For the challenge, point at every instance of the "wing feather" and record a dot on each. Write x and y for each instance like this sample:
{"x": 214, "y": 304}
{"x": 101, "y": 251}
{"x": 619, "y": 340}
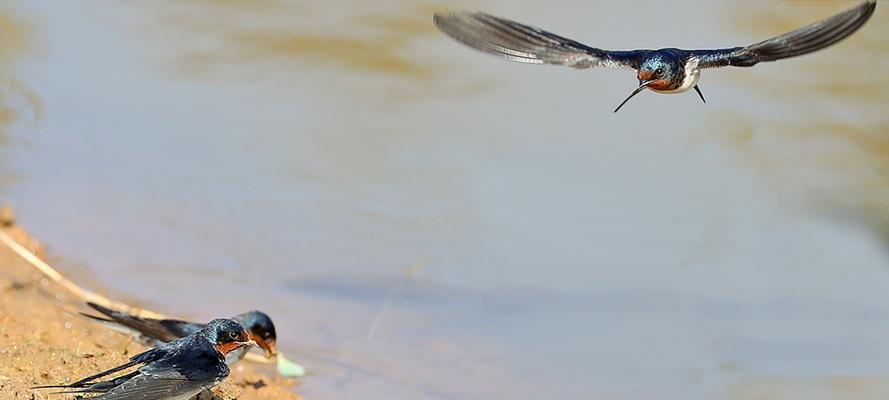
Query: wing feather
{"x": 163, "y": 330}
{"x": 805, "y": 40}
{"x": 523, "y": 43}
{"x": 150, "y": 387}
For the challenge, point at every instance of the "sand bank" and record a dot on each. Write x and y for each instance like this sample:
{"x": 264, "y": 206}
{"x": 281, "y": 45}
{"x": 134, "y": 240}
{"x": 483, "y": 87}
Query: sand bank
{"x": 43, "y": 341}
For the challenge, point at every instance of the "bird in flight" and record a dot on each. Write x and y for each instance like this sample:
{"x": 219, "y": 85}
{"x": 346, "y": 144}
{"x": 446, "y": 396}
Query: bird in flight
{"x": 667, "y": 70}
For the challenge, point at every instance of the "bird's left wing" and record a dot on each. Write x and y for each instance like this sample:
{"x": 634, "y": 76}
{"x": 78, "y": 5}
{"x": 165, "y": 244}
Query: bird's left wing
{"x": 151, "y": 387}
{"x": 193, "y": 368}
{"x": 810, "y": 38}
{"x": 522, "y": 43}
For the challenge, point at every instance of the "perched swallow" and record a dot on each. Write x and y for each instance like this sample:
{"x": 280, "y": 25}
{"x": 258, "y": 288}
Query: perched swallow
{"x": 667, "y": 70}
{"x": 155, "y": 332}
{"x": 178, "y": 370}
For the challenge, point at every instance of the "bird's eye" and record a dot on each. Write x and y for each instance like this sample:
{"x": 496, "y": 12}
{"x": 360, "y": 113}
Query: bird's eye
{"x": 233, "y": 335}
{"x": 659, "y": 71}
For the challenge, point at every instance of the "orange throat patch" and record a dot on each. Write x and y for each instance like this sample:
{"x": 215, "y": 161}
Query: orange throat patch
{"x": 225, "y": 348}
{"x": 660, "y": 84}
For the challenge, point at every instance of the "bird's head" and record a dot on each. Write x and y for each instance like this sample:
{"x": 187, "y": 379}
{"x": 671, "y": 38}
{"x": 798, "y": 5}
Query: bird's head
{"x": 227, "y": 335}
{"x": 659, "y": 70}
{"x": 261, "y": 329}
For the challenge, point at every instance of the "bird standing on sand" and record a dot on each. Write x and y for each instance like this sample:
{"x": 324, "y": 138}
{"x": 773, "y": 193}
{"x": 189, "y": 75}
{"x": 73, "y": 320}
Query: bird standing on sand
{"x": 667, "y": 70}
{"x": 156, "y": 332}
{"x": 178, "y": 370}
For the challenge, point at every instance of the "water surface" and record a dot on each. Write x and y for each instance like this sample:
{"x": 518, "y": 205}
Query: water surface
{"x": 427, "y": 222}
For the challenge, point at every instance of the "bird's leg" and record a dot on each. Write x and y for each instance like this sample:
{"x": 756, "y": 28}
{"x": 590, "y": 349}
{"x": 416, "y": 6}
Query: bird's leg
{"x": 697, "y": 89}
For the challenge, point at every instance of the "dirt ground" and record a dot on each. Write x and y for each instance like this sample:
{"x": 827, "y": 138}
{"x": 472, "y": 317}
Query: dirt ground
{"x": 43, "y": 341}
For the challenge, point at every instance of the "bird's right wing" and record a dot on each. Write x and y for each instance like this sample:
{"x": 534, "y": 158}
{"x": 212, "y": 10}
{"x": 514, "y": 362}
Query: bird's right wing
{"x": 522, "y": 43}
{"x": 810, "y": 38}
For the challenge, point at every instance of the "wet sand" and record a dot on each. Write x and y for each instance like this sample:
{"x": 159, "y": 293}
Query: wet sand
{"x": 43, "y": 341}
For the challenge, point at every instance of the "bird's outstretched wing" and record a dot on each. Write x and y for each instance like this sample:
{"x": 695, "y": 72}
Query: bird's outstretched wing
{"x": 810, "y": 38}
{"x": 522, "y": 43}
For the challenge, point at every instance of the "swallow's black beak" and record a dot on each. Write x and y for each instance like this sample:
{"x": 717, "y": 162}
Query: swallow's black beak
{"x": 642, "y": 85}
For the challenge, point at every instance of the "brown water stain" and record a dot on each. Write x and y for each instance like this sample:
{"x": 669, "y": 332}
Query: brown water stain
{"x": 829, "y": 147}
{"x": 291, "y": 33}
{"x": 17, "y": 103}
{"x": 14, "y": 35}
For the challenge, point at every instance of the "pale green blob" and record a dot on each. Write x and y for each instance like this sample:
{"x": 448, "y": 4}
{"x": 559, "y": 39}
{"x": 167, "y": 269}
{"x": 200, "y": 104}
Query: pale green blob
{"x": 289, "y": 368}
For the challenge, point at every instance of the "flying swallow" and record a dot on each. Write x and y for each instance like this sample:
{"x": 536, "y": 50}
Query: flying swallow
{"x": 667, "y": 70}
{"x": 155, "y": 332}
{"x": 178, "y": 370}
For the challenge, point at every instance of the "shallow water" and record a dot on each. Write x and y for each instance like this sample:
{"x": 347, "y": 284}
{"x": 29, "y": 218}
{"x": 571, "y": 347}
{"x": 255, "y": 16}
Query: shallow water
{"x": 426, "y": 222}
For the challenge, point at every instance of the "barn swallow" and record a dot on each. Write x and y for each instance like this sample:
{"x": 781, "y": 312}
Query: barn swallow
{"x": 667, "y": 70}
{"x": 155, "y": 332}
{"x": 178, "y": 370}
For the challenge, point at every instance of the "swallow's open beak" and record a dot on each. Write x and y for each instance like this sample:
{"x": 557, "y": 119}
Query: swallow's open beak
{"x": 642, "y": 85}
{"x": 270, "y": 351}
{"x": 228, "y": 347}
{"x": 267, "y": 346}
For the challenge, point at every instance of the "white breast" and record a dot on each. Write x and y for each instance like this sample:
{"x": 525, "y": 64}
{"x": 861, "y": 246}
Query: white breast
{"x": 692, "y": 75}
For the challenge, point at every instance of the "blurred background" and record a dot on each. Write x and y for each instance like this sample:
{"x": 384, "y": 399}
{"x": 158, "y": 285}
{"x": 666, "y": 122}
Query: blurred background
{"x": 424, "y": 221}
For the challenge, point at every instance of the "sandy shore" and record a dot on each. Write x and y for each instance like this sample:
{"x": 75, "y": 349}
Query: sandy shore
{"x": 43, "y": 341}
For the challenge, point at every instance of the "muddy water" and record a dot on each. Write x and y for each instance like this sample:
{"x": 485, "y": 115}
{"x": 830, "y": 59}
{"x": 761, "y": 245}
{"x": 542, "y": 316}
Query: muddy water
{"x": 427, "y": 222}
